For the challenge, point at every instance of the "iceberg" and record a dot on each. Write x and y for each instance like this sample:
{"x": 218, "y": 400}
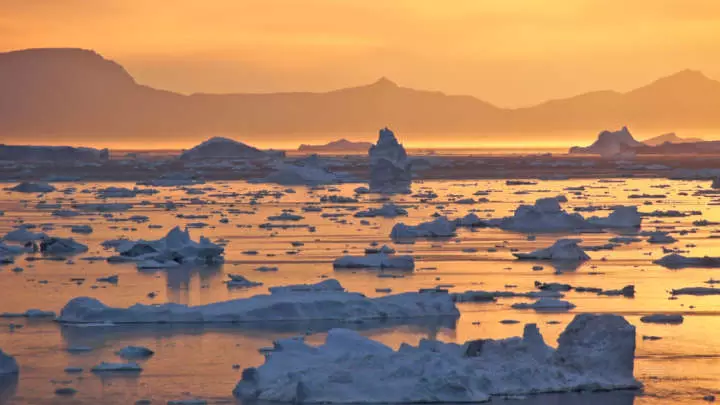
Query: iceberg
{"x": 561, "y": 250}
{"x": 22, "y": 235}
{"x": 595, "y": 352}
{"x": 225, "y": 148}
{"x": 61, "y": 246}
{"x": 390, "y": 169}
{"x": 389, "y": 210}
{"x": 322, "y": 301}
{"x": 678, "y": 261}
{"x": 618, "y": 144}
{"x": 30, "y": 187}
{"x": 174, "y": 249}
{"x": 438, "y": 228}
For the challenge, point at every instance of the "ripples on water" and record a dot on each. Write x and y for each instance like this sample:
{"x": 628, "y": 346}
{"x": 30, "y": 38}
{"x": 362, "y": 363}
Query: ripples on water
{"x": 198, "y": 360}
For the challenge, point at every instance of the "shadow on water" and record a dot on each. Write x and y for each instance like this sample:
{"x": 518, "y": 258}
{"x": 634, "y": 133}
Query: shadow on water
{"x": 98, "y": 335}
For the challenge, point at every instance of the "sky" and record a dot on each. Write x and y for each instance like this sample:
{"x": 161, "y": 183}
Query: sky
{"x": 509, "y": 52}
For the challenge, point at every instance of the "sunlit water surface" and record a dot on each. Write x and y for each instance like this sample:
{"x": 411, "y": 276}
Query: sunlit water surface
{"x": 197, "y": 361}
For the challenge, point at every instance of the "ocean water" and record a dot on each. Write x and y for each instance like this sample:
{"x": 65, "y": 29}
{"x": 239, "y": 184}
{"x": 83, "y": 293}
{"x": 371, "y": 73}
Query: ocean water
{"x": 197, "y": 361}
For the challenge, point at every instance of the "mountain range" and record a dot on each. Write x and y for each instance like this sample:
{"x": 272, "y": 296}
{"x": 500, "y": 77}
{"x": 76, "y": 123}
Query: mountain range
{"x": 57, "y": 94}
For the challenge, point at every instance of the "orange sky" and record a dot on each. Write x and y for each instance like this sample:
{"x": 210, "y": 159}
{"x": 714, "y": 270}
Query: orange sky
{"x": 508, "y": 52}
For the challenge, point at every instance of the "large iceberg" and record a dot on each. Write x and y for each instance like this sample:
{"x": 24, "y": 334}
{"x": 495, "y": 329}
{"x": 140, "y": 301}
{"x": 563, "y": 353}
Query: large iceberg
{"x": 323, "y": 301}
{"x": 618, "y": 144}
{"x": 309, "y": 171}
{"x": 174, "y": 249}
{"x": 30, "y": 187}
{"x": 390, "y": 169}
{"x": 595, "y": 353}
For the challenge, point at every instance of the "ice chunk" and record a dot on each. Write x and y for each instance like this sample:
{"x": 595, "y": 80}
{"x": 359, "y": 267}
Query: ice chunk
{"x": 438, "y": 228}
{"x": 172, "y": 250}
{"x": 375, "y": 260}
{"x": 30, "y": 187}
{"x": 23, "y": 235}
{"x": 561, "y": 250}
{"x": 678, "y": 261}
{"x": 61, "y": 246}
{"x": 618, "y": 144}
{"x": 672, "y": 319}
{"x": 105, "y": 367}
{"x": 389, "y": 210}
{"x": 546, "y": 304}
{"x": 595, "y": 352}
{"x": 134, "y": 352}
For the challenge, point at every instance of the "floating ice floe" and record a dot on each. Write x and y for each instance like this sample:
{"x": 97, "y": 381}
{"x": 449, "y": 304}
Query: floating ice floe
{"x": 390, "y": 169}
{"x": 678, "y": 261}
{"x": 561, "y": 250}
{"x": 106, "y": 367}
{"x": 8, "y": 364}
{"x": 696, "y": 291}
{"x": 389, "y": 210}
{"x": 134, "y": 352}
{"x": 673, "y": 319}
{"x": 595, "y": 352}
{"x": 323, "y": 301}
{"x": 441, "y": 227}
{"x": 23, "y": 235}
{"x": 376, "y": 261}
{"x": 30, "y": 187}
{"x": 546, "y": 305}
{"x": 238, "y": 281}
{"x": 174, "y": 249}
{"x": 61, "y": 246}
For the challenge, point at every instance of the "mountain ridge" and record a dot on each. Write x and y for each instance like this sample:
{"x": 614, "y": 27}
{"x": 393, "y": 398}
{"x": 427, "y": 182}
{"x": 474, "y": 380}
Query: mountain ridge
{"x": 69, "y": 92}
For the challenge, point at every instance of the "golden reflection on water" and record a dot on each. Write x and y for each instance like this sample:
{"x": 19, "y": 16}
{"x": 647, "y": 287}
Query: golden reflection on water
{"x": 681, "y": 366}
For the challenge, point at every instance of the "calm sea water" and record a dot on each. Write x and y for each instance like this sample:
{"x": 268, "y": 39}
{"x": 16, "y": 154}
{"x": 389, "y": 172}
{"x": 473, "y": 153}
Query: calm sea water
{"x": 198, "y": 361}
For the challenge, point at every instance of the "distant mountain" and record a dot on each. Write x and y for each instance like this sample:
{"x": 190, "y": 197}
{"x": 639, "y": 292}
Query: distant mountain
{"x": 339, "y": 145}
{"x": 671, "y": 138}
{"x": 73, "y": 94}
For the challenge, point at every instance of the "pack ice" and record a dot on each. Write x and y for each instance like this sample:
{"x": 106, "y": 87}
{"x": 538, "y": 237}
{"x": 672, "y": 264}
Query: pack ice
{"x": 390, "y": 169}
{"x": 174, "y": 249}
{"x": 326, "y": 300}
{"x": 595, "y": 352}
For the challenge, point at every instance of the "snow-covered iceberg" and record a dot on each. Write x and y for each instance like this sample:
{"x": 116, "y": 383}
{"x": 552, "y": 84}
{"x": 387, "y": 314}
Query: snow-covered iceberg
{"x": 308, "y": 172}
{"x": 561, "y": 250}
{"x": 322, "y": 301}
{"x": 595, "y": 352}
{"x": 174, "y": 249}
{"x": 390, "y": 169}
